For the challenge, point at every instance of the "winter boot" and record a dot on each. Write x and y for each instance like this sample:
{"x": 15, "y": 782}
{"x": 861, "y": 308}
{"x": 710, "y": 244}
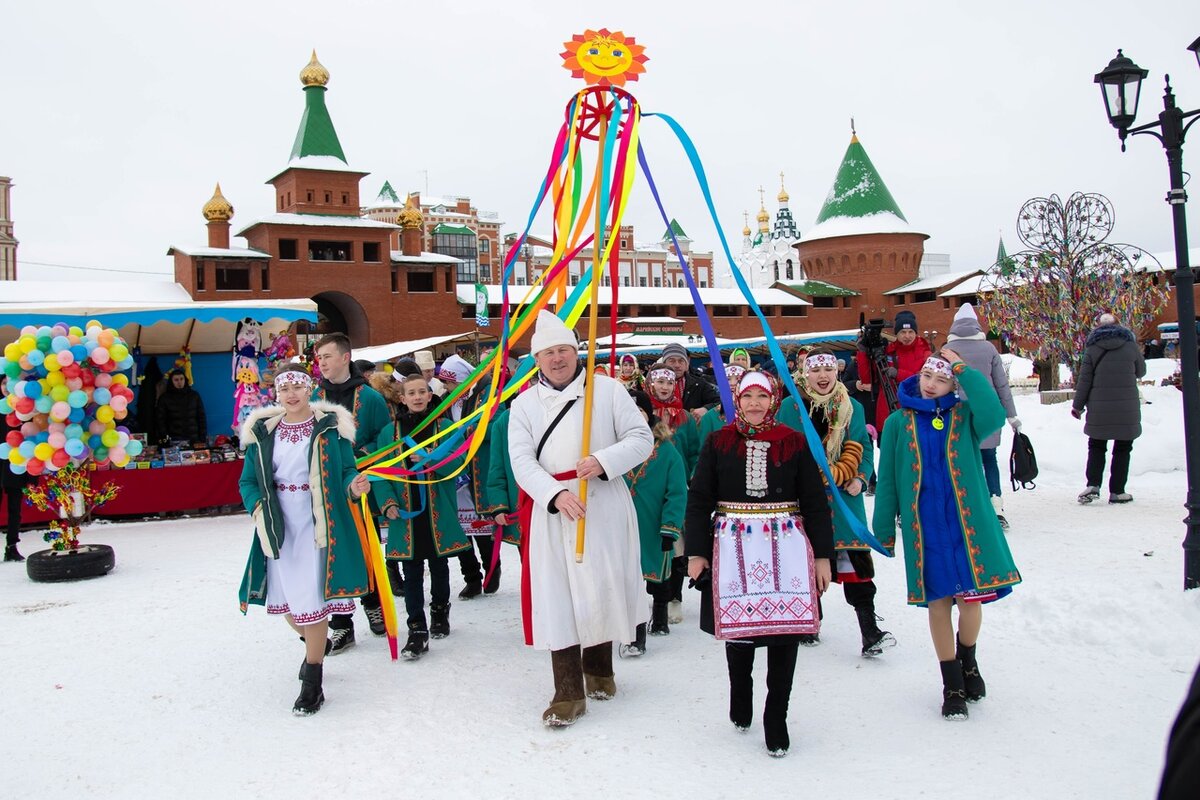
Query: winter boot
{"x": 598, "y": 672}
{"x": 972, "y": 681}
{"x": 874, "y": 641}
{"x": 493, "y": 584}
{"x": 375, "y": 620}
{"x": 342, "y": 638}
{"x": 328, "y": 646}
{"x": 998, "y": 506}
{"x": 11, "y": 554}
{"x": 395, "y": 578}
{"x": 311, "y": 697}
{"x": 568, "y": 704}
{"x": 810, "y": 639}
{"x": 1088, "y": 495}
{"x": 472, "y": 590}
{"x": 659, "y": 614}
{"x": 417, "y": 644}
{"x": 439, "y": 620}
{"x": 637, "y": 647}
{"x": 1114, "y": 497}
{"x": 740, "y": 658}
{"x": 954, "y": 696}
{"x": 781, "y": 666}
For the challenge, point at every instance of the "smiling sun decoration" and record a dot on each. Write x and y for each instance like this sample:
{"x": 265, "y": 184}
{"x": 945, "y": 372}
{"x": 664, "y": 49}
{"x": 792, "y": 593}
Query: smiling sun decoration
{"x": 604, "y": 58}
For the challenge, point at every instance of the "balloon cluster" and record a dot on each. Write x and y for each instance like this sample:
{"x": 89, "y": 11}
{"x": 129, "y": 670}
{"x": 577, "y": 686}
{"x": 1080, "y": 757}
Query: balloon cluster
{"x": 65, "y": 398}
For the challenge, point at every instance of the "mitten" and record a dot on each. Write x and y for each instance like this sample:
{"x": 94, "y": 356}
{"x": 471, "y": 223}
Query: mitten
{"x": 1076, "y": 413}
{"x": 1015, "y": 422}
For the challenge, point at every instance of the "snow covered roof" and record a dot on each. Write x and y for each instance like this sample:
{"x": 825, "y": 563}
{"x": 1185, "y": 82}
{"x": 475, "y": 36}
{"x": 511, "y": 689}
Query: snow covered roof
{"x": 218, "y": 252}
{"x": 426, "y": 257}
{"x": 386, "y": 352}
{"x": 818, "y": 289}
{"x": 325, "y": 163}
{"x": 933, "y": 282}
{"x": 323, "y": 220}
{"x": 649, "y": 321}
{"x": 970, "y": 286}
{"x": 649, "y": 295}
{"x": 99, "y": 292}
{"x": 454, "y": 230}
{"x": 880, "y": 222}
{"x": 1166, "y": 261}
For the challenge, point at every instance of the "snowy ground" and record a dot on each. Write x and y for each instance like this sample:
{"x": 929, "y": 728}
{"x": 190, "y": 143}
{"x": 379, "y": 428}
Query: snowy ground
{"x": 149, "y": 683}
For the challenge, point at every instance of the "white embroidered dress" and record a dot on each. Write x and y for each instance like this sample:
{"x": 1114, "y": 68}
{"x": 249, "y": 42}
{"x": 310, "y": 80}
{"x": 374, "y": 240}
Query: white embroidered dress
{"x": 294, "y": 580}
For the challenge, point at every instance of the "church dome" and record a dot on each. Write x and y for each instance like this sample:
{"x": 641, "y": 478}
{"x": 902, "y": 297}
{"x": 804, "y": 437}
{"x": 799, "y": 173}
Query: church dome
{"x": 218, "y": 208}
{"x": 314, "y": 74}
{"x": 410, "y": 217}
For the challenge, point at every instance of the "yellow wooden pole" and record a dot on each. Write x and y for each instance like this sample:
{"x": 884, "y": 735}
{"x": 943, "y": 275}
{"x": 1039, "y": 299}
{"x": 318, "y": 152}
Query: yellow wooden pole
{"x": 589, "y": 379}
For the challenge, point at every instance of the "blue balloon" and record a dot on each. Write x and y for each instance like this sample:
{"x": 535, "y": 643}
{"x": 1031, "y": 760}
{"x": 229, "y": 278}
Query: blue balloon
{"x": 44, "y": 330}
{"x": 134, "y": 448}
{"x": 60, "y": 343}
{"x": 26, "y": 449}
{"x": 6, "y": 448}
{"x": 90, "y": 345}
{"x": 101, "y": 396}
{"x": 36, "y": 357}
{"x": 73, "y": 431}
{"x": 33, "y": 389}
{"x": 17, "y": 469}
{"x": 125, "y": 363}
{"x": 5, "y": 406}
{"x": 76, "y": 415}
{"x": 44, "y": 436}
{"x": 79, "y": 351}
{"x": 77, "y": 399}
{"x": 43, "y": 404}
{"x": 74, "y": 448}
{"x": 94, "y": 441}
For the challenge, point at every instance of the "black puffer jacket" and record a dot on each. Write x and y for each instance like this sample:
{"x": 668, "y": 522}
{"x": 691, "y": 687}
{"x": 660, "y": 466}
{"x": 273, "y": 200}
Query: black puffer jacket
{"x": 698, "y": 392}
{"x": 1107, "y": 385}
{"x": 181, "y": 414}
{"x": 8, "y": 479}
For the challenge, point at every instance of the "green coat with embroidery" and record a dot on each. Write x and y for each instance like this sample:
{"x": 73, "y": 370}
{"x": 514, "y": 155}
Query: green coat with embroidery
{"x": 441, "y": 501}
{"x": 687, "y": 441}
{"x": 500, "y": 488}
{"x": 898, "y": 485}
{"x": 843, "y": 536}
{"x": 331, "y": 457}
{"x": 713, "y": 420}
{"x": 371, "y": 416}
{"x": 659, "y": 490}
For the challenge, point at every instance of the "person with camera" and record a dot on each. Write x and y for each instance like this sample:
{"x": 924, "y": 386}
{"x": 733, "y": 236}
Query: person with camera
{"x": 892, "y": 362}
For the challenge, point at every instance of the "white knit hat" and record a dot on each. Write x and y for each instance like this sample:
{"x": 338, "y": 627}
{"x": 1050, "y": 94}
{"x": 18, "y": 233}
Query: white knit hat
{"x": 551, "y": 332}
{"x": 424, "y": 359}
{"x": 966, "y": 311}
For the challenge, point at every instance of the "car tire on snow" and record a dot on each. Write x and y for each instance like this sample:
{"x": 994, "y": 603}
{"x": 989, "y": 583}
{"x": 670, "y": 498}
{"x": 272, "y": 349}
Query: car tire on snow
{"x": 88, "y": 561}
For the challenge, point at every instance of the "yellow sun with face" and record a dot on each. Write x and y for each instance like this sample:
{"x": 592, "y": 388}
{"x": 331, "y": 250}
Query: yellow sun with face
{"x": 604, "y": 58}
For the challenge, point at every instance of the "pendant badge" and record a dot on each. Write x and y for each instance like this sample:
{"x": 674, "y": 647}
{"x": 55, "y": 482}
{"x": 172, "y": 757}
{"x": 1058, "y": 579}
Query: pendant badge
{"x": 938, "y": 424}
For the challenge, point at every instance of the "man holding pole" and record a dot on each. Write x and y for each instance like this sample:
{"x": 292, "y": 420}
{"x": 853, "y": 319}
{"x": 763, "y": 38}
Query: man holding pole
{"x": 576, "y": 609}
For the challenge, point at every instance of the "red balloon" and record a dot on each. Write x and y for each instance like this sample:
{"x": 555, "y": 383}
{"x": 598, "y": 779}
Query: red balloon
{"x": 71, "y": 371}
{"x": 60, "y": 458}
{"x": 23, "y": 405}
{"x": 14, "y": 439}
{"x": 12, "y": 420}
{"x": 88, "y": 378}
{"x": 35, "y": 466}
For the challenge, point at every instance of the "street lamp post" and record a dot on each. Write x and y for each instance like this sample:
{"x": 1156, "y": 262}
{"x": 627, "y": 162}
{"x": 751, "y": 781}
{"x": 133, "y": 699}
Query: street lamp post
{"x": 1120, "y": 84}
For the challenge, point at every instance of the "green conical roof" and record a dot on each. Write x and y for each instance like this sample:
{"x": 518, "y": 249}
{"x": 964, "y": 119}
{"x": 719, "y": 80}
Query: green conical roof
{"x": 388, "y": 195}
{"x": 676, "y": 229}
{"x": 316, "y": 136}
{"x": 1001, "y": 253}
{"x": 858, "y": 191}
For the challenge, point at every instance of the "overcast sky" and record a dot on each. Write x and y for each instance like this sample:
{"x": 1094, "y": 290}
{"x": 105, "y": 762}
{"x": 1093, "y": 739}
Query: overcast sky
{"x": 117, "y": 118}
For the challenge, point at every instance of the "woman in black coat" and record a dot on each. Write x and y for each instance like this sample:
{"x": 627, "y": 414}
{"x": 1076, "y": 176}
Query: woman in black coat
{"x": 757, "y": 512}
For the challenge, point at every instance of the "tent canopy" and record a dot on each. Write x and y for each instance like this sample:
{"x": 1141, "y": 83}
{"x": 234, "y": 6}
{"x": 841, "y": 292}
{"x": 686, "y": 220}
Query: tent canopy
{"x": 386, "y": 352}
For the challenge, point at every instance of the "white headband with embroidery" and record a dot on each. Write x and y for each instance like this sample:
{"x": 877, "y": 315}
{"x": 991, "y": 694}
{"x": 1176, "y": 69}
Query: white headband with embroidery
{"x": 293, "y": 377}
{"x": 821, "y": 360}
{"x": 939, "y": 366}
{"x": 734, "y": 373}
{"x": 663, "y": 375}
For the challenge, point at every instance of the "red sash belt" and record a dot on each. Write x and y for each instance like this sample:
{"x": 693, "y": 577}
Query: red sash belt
{"x": 525, "y": 523}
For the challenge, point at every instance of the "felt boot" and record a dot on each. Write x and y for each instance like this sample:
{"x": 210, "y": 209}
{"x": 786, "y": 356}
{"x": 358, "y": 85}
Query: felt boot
{"x": 598, "y": 672}
{"x": 659, "y": 626}
{"x": 638, "y": 646}
{"x": 568, "y": 704}
{"x": 781, "y": 667}
{"x": 874, "y": 641}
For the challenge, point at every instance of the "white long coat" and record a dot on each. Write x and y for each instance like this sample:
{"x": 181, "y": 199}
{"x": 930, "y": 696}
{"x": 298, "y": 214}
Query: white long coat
{"x": 600, "y": 600}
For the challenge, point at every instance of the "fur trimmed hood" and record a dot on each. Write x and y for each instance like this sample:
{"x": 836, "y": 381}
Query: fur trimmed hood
{"x": 272, "y": 415}
{"x": 1110, "y": 336}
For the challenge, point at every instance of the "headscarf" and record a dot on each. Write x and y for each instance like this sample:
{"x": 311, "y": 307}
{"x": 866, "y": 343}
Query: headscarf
{"x": 835, "y": 406}
{"x": 671, "y": 410}
{"x": 733, "y": 437}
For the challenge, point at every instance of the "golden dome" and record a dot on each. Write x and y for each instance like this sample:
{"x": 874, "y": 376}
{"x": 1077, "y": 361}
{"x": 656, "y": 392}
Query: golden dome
{"x": 410, "y": 217}
{"x": 783, "y": 195}
{"x": 218, "y": 208}
{"x": 746, "y": 220}
{"x": 314, "y": 74}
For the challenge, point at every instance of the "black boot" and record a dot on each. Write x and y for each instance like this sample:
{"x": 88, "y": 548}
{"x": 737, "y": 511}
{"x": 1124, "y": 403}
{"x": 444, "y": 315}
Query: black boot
{"x": 417, "y": 644}
{"x": 874, "y": 641}
{"x": 658, "y": 619}
{"x": 740, "y": 658}
{"x": 311, "y": 697}
{"x": 395, "y": 578}
{"x": 328, "y": 647}
{"x": 954, "y": 697}
{"x": 493, "y": 584}
{"x": 11, "y": 554}
{"x": 973, "y": 683}
{"x": 439, "y": 620}
{"x": 781, "y": 666}
{"x": 472, "y": 590}
{"x": 637, "y": 647}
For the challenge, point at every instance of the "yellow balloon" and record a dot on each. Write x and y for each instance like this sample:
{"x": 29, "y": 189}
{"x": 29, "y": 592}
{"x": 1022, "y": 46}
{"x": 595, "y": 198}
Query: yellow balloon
{"x": 12, "y": 351}
{"x": 43, "y": 451}
{"x": 56, "y": 379}
{"x": 27, "y": 344}
{"x": 15, "y": 457}
{"x": 51, "y": 364}
{"x": 121, "y": 378}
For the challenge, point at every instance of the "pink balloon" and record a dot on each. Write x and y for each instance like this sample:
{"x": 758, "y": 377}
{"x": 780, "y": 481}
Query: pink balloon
{"x": 57, "y": 440}
{"x": 74, "y": 384}
{"x": 117, "y": 455}
{"x": 60, "y": 410}
{"x": 99, "y": 355}
{"x": 97, "y": 427}
{"x": 118, "y": 403}
{"x": 66, "y": 358}
{"x": 57, "y": 427}
{"x": 104, "y": 381}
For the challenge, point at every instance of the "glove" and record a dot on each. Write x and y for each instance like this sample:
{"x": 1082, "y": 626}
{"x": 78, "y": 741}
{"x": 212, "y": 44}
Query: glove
{"x": 1076, "y": 413}
{"x": 1015, "y": 422}
{"x": 668, "y": 544}
{"x": 891, "y": 372}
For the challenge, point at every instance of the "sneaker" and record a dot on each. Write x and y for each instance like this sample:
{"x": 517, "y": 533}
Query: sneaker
{"x": 631, "y": 650}
{"x": 416, "y": 646}
{"x": 1123, "y": 497}
{"x": 1088, "y": 495}
{"x": 675, "y": 612}
{"x": 11, "y": 554}
{"x": 342, "y": 638}
{"x": 810, "y": 639}
{"x": 375, "y": 620}
{"x": 472, "y": 589}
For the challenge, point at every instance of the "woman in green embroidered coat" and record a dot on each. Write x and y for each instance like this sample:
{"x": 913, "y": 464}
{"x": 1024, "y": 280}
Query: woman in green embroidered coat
{"x": 659, "y": 490}
{"x": 306, "y": 559}
{"x": 931, "y": 476}
{"x": 500, "y": 495}
{"x": 431, "y": 531}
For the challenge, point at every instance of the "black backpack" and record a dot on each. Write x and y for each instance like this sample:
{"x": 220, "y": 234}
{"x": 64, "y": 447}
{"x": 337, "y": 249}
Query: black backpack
{"x": 1022, "y": 464}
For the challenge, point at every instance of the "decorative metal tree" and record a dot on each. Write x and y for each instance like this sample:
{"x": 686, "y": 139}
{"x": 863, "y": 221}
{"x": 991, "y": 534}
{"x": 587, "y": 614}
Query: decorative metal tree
{"x": 1045, "y": 299}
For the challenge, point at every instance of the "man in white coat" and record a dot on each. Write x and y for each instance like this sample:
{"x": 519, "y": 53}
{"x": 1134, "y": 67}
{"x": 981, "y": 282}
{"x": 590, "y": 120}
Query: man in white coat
{"x": 576, "y": 611}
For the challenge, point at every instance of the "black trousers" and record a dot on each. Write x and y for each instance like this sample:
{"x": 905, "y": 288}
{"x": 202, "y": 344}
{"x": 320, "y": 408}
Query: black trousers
{"x": 781, "y": 668}
{"x": 475, "y": 569}
{"x": 1097, "y": 452}
{"x": 12, "y": 529}
{"x": 414, "y": 588}
{"x": 678, "y": 573}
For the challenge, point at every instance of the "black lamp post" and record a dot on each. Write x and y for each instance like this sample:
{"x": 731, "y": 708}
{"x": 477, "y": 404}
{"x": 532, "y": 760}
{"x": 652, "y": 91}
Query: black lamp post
{"x": 1120, "y": 82}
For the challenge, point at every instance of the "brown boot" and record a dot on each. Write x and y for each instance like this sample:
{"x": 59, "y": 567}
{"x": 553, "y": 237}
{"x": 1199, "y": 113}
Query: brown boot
{"x": 598, "y": 672}
{"x": 568, "y": 704}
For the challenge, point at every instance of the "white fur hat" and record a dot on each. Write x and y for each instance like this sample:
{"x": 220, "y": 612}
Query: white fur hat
{"x": 455, "y": 368}
{"x": 424, "y": 359}
{"x": 551, "y": 332}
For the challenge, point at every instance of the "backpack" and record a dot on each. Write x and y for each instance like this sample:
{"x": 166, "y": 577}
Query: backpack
{"x": 1022, "y": 464}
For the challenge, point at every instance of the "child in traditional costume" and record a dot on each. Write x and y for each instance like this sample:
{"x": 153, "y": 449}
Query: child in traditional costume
{"x": 931, "y": 476}
{"x": 840, "y": 422}
{"x": 306, "y": 560}
{"x": 423, "y": 524}
{"x": 629, "y": 374}
{"x": 714, "y": 419}
{"x": 757, "y": 513}
{"x": 659, "y": 490}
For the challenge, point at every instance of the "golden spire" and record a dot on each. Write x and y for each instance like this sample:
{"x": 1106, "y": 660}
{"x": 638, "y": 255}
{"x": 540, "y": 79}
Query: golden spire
{"x": 314, "y": 74}
{"x": 746, "y": 220}
{"x": 410, "y": 217}
{"x": 218, "y": 208}
{"x": 764, "y": 219}
{"x": 783, "y": 195}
